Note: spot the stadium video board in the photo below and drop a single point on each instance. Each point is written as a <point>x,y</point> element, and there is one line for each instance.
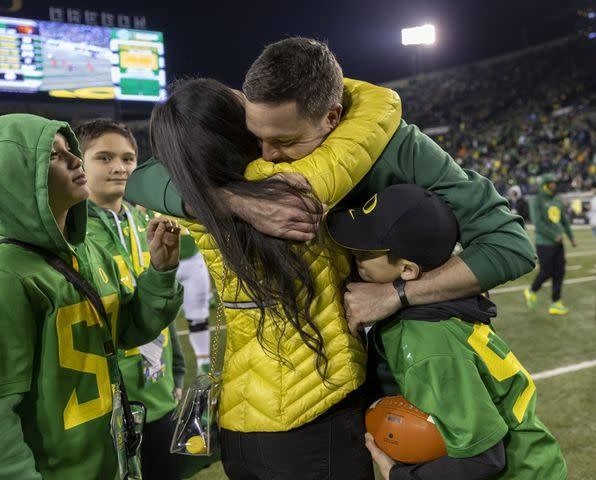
<point>67,60</point>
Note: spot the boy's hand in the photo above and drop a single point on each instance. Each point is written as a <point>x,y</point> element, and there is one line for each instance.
<point>383,461</point>
<point>163,236</point>
<point>366,303</point>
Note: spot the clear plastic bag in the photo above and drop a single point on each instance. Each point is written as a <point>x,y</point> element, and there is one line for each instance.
<point>197,431</point>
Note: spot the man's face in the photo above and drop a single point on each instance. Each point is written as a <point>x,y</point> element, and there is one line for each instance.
<point>285,134</point>
<point>552,187</point>
<point>109,161</point>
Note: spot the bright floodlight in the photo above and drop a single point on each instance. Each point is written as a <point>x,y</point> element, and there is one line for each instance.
<point>423,35</point>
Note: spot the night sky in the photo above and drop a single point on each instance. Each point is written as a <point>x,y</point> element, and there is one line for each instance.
<point>221,38</point>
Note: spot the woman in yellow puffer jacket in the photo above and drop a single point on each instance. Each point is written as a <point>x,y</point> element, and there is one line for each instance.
<point>290,364</point>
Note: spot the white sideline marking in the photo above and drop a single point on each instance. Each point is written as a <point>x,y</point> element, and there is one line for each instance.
<point>555,372</point>
<point>584,253</point>
<point>519,288</point>
<point>571,268</point>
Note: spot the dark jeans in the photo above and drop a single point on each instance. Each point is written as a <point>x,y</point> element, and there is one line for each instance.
<point>331,447</point>
<point>156,460</point>
<point>552,264</point>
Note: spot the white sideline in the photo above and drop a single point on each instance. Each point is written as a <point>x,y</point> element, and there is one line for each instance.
<point>519,288</point>
<point>555,372</point>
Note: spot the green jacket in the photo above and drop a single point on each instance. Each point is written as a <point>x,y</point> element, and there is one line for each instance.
<point>55,387</point>
<point>496,246</point>
<point>547,213</point>
<point>127,243</point>
<point>477,392</point>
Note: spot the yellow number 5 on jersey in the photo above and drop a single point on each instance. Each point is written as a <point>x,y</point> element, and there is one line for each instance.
<point>502,368</point>
<point>75,412</point>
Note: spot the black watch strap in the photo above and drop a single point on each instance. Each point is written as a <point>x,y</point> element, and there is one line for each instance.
<point>400,288</point>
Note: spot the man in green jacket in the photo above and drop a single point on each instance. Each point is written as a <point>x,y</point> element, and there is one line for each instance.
<point>547,213</point>
<point>59,382</point>
<point>153,373</point>
<point>293,101</point>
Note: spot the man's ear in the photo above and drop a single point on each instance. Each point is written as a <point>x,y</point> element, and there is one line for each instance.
<point>334,116</point>
<point>409,270</point>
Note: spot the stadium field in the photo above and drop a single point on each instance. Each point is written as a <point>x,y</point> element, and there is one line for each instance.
<point>558,351</point>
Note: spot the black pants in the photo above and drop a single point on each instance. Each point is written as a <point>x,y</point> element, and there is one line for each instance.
<point>552,264</point>
<point>329,448</point>
<point>157,462</point>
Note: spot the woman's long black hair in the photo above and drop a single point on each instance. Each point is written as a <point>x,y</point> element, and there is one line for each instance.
<point>199,134</point>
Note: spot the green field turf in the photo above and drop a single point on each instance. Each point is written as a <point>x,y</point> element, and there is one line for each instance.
<point>541,342</point>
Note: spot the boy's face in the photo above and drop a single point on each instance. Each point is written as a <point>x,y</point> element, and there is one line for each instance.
<point>109,161</point>
<point>377,267</point>
<point>67,183</point>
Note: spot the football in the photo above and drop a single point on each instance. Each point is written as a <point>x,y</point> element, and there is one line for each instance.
<point>404,432</point>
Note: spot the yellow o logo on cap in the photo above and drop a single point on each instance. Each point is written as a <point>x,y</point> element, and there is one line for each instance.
<point>370,205</point>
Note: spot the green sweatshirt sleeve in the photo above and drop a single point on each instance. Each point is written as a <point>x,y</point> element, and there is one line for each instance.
<point>545,229</point>
<point>496,246</point>
<point>153,306</point>
<point>16,458</point>
<point>150,185</point>
<point>178,367</point>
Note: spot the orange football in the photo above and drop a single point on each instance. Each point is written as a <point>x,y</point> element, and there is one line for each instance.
<point>404,432</point>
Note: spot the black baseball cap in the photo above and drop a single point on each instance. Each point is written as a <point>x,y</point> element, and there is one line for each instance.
<point>406,220</point>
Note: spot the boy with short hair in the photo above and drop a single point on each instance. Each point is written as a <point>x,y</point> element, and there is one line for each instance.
<point>445,357</point>
<point>154,372</point>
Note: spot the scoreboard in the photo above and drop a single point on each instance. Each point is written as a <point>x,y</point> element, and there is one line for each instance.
<point>65,60</point>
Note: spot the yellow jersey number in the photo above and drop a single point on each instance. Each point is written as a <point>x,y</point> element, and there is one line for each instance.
<point>75,412</point>
<point>502,368</point>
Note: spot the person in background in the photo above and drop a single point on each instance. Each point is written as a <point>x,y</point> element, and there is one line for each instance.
<point>547,213</point>
<point>153,373</point>
<point>194,277</point>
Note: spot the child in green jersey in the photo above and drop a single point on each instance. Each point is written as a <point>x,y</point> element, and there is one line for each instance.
<point>58,383</point>
<point>444,356</point>
<point>153,373</point>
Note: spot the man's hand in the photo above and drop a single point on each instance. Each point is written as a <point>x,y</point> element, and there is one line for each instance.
<point>163,236</point>
<point>573,242</point>
<point>383,461</point>
<point>288,218</point>
<point>366,303</point>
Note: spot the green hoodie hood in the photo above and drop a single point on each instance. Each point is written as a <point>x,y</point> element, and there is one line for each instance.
<point>25,146</point>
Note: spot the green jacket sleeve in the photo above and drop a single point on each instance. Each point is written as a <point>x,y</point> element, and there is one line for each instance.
<point>150,185</point>
<point>539,217</point>
<point>16,458</point>
<point>496,246</point>
<point>153,306</point>
<point>178,367</point>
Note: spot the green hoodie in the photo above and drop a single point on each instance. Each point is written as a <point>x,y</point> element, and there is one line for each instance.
<point>55,388</point>
<point>547,213</point>
<point>127,243</point>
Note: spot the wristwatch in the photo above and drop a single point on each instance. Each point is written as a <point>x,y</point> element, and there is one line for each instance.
<point>400,288</point>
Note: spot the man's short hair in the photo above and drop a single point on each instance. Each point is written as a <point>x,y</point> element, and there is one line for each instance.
<point>89,131</point>
<point>296,68</point>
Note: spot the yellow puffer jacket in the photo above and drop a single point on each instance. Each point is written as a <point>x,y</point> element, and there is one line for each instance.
<point>259,392</point>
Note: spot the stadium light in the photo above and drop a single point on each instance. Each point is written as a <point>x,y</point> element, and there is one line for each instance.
<point>422,35</point>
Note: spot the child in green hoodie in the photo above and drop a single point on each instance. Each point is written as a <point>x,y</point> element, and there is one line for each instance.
<point>58,381</point>
<point>445,357</point>
<point>153,373</point>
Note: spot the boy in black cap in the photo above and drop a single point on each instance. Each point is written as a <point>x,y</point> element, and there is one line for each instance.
<point>445,357</point>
